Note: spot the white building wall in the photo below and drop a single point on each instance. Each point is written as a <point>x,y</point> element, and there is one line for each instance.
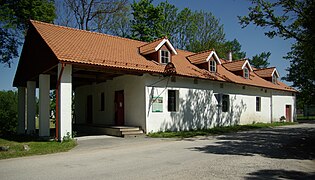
<point>198,106</point>
<point>133,101</point>
<point>279,101</point>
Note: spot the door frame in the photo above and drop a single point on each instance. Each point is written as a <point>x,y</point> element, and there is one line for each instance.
<point>89,109</point>
<point>119,113</point>
<point>288,111</point>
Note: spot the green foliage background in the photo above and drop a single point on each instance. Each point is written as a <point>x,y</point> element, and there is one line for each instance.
<point>8,112</point>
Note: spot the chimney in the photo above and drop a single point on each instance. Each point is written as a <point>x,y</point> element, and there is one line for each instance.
<point>229,56</point>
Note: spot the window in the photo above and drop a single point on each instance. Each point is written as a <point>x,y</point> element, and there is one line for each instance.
<point>225,103</point>
<point>165,56</point>
<point>213,66</point>
<point>246,73</point>
<point>102,102</point>
<point>258,103</point>
<point>274,79</point>
<point>172,103</point>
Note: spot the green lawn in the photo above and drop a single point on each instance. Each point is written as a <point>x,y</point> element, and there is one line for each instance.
<point>216,130</point>
<point>36,147</point>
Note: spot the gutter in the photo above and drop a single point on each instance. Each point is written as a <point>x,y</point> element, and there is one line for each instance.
<point>57,100</point>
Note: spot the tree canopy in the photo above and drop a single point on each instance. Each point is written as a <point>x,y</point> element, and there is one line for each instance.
<point>14,18</point>
<point>260,60</point>
<point>290,19</point>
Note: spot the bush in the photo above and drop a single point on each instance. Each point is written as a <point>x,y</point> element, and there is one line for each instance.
<point>8,112</point>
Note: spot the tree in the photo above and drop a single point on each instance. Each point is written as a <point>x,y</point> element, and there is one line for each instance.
<point>87,13</point>
<point>290,19</point>
<point>8,112</point>
<point>14,19</point>
<point>169,23</point>
<point>224,48</point>
<point>147,21</point>
<point>208,32</point>
<point>260,60</point>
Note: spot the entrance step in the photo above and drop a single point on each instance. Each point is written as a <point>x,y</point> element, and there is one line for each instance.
<point>124,131</point>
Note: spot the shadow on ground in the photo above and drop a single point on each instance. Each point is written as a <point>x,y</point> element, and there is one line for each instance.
<point>281,143</point>
<point>279,174</point>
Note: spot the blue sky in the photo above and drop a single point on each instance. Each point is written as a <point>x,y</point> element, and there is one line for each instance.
<point>252,38</point>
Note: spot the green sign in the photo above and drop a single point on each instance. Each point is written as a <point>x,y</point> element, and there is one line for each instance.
<point>157,105</point>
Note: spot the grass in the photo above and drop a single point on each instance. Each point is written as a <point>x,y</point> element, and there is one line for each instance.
<point>36,147</point>
<point>216,130</point>
<point>301,117</point>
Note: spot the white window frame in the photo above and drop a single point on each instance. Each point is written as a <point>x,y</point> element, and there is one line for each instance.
<point>163,57</point>
<point>176,101</point>
<point>213,66</point>
<point>274,79</point>
<point>246,72</point>
<point>225,107</point>
<point>258,102</point>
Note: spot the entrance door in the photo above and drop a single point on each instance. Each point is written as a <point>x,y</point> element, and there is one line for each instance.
<point>119,108</point>
<point>288,113</point>
<point>89,109</point>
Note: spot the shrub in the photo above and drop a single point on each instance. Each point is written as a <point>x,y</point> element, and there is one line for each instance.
<point>8,112</point>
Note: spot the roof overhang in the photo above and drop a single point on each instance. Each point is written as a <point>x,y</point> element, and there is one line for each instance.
<point>275,72</point>
<point>248,65</point>
<point>168,44</point>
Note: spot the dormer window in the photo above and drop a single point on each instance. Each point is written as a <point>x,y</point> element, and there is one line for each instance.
<point>246,73</point>
<point>164,56</point>
<point>274,78</point>
<point>213,66</point>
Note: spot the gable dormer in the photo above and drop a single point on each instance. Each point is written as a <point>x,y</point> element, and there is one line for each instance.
<point>270,74</point>
<point>207,60</point>
<point>160,50</point>
<point>240,67</point>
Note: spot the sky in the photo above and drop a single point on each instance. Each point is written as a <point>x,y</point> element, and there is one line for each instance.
<point>251,38</point>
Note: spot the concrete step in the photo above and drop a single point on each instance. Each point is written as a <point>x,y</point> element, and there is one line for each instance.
<point>129,129</point>
<point>132,132</point>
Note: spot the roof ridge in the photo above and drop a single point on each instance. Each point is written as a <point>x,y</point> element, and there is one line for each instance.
<point>201,52</point>
<point>86,31</point>
<point>228,62</point>
<point>265,68</point>
<point>147,43</point>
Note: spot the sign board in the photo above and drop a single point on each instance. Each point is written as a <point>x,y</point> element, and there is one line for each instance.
<point>157,105</point>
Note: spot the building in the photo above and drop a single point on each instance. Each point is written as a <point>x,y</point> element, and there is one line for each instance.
<point>124,82</point>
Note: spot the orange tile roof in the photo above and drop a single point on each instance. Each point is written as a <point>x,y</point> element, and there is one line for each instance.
<point>83,47</point>
<point>266,72</point>
<point>150,47</point>
<point>199,57</point>
<point>234,65</point>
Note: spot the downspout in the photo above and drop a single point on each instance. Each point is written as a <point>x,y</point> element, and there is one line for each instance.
<point>57,100</point>
<point>271,112</point>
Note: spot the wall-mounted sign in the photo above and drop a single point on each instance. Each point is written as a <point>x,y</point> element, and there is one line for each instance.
<point>157,105</point>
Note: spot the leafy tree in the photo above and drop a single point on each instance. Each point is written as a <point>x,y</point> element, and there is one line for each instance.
<point>290,19</point>
<point>224,48</point>
<point>147,21</point>
<point>169,23</point>
<point>208,32</point>
<point>88,13</point>
<point>260,60</point>
<point>14,17</point>
<point>8,112</point>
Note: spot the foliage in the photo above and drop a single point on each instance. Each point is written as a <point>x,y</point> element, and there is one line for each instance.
<point>260,60</point>
<point>223,49</point>
<point>8,112</point>
<point>147,21</point>
<point>14,17</point>
<point>16,143</point>
<point>290,19</point>
<point>208,32</point>
<point>92,14</point>
<point>216,130</point>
